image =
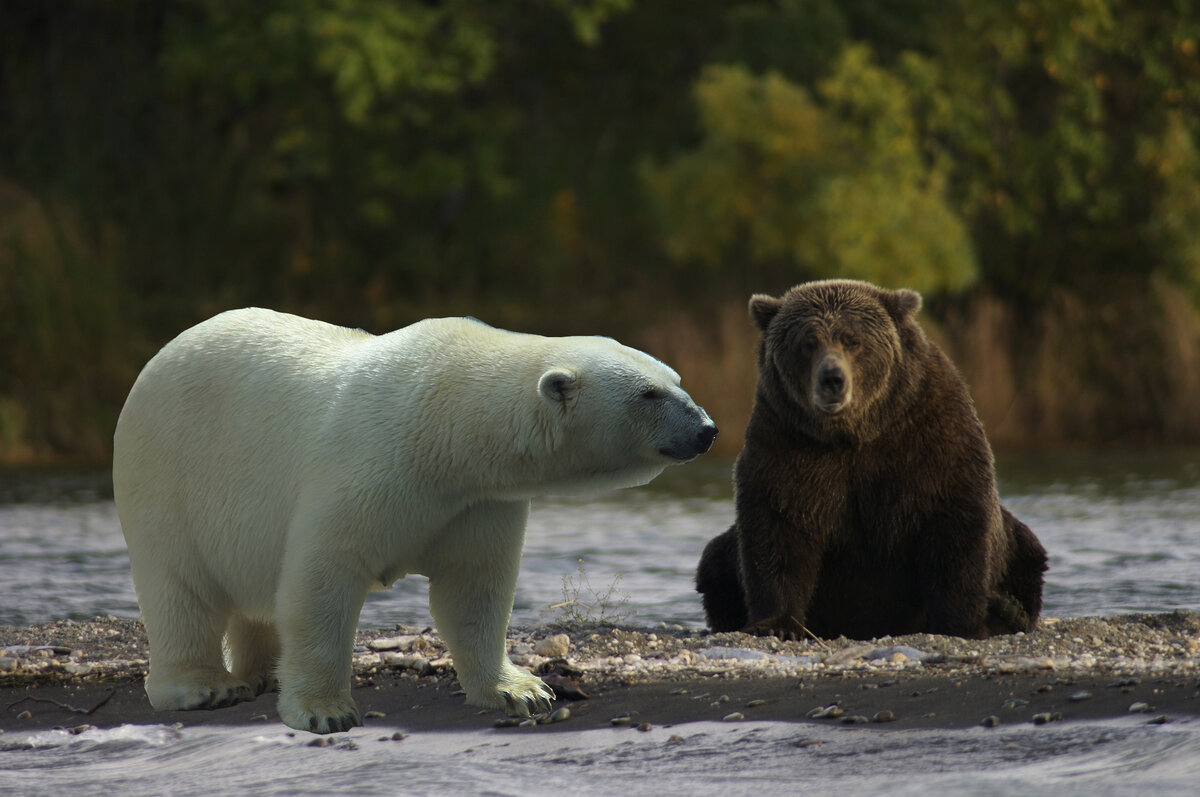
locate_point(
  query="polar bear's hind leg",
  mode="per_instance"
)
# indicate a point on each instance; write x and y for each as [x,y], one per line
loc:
[253,652]
[187,669]
[316,618]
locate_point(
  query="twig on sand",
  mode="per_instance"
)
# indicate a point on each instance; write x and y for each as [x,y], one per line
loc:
[73,709]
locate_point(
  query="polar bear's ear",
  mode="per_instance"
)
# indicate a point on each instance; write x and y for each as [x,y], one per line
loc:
[558,385]
[763,308]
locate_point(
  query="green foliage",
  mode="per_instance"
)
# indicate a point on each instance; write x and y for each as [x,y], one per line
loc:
[824,187]
[566,166]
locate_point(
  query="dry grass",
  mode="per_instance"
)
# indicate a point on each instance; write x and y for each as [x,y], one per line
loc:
[716,359]
[1127,371]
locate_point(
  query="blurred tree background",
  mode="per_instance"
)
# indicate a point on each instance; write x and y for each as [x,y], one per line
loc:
[621,167]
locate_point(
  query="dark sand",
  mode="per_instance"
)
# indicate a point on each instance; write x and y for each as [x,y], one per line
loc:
[1089,669]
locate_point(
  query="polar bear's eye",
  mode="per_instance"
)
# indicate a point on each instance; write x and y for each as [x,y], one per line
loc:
[653,394]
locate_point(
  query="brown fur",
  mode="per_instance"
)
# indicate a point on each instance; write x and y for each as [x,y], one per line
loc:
[865,490]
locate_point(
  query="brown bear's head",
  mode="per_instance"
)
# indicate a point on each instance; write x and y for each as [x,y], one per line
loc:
[832,357]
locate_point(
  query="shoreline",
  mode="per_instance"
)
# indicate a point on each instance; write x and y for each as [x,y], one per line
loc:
[70,674]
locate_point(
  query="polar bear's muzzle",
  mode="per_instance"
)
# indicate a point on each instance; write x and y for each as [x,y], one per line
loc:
[695,442]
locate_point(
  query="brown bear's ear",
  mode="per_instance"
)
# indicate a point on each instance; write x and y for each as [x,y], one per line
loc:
[901,304]
[763,308]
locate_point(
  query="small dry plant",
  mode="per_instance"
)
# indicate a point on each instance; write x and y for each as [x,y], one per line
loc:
[584,606]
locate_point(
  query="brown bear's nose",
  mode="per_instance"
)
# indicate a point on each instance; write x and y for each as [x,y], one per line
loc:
[831,379]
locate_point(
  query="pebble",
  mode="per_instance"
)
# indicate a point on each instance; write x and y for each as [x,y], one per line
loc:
[414,661]
[734,717]
[645,726]
[375,715]
[827,712]
[883,716]
[560,714]
[990,721]
[855,719]
[621,719]
[1140,708]
[553,647]
[756,703]
[25,715]
[1161,719]
[404,642]
[675,739]
[1015,703]
[78,729]
[1080,696]
[1046,716]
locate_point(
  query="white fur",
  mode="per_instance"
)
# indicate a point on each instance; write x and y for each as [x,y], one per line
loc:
[270,470]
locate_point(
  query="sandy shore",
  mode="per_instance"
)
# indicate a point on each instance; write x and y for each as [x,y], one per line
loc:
[71,674]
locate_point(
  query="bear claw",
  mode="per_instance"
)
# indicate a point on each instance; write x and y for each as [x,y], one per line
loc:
[338,724]
[528,705]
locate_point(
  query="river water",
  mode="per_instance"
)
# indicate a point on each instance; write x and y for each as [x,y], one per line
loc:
[1122,529]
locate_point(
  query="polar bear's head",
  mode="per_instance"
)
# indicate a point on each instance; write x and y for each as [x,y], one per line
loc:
[615,416]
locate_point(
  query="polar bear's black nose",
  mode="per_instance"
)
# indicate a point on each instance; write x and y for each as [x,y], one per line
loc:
[708,433]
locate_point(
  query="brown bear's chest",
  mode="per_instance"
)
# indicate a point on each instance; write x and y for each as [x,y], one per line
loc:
[864,501]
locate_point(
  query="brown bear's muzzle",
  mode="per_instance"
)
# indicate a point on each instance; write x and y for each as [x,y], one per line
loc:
[831,388]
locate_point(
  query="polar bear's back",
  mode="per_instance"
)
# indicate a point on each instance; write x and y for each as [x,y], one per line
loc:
[217,435]
[241,374]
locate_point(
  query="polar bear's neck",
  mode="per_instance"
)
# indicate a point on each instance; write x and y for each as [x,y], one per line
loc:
[462,402]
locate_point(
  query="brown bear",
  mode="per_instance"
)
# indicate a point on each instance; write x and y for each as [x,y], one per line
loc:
[865,491]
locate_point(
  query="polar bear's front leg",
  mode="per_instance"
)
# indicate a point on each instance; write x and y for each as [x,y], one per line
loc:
[471,588]
[316,615]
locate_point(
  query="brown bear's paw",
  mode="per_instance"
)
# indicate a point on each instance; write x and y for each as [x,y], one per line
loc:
[786,627]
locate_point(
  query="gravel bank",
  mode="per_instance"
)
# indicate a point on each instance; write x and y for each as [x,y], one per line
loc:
[58,673]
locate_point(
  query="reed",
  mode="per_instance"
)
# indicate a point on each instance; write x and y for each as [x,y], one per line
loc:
[1121,371]
[1124,371]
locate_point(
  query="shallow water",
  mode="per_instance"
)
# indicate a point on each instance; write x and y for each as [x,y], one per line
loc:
[1113,758]
[1122,529]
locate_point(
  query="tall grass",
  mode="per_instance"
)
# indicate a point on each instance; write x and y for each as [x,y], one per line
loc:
[66,357]
[1122,371]
[1126,371]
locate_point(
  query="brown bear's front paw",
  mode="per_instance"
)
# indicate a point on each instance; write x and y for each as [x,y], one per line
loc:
[786,627]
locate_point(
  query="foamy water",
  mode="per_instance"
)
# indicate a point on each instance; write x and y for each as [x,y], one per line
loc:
[1111,758]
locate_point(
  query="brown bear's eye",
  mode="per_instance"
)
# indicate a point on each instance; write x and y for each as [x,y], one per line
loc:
[806,341]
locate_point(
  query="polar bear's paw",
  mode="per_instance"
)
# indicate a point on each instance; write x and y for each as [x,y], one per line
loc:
[524,695]
[186,690]
[330,715]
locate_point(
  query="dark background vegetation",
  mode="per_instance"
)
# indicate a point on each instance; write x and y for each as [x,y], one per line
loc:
[623,167]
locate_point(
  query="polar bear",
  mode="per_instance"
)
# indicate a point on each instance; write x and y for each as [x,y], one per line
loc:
[270,470]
